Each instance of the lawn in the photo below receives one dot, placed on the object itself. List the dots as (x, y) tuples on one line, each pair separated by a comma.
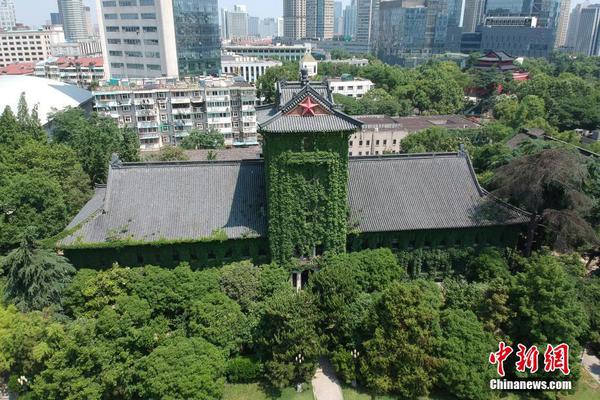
[(252, 391)]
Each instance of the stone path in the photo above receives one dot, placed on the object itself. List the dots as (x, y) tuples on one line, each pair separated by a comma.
[(325, 384), (592, 364)]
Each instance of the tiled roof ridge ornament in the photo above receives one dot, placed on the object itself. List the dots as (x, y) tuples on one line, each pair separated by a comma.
[(461, 150), (304, 76), (115, 161)]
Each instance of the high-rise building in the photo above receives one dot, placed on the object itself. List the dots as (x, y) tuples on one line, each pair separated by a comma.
[(236, 23), (455, 9), (196, 36), (73, 17), (267, 27), (319, 19), (8, 18), (588, 32), (573, 28), (367, 22), (338, 19), (294, 19), (518, 36), (87, 15), (404, 26), (280, 27), (28, 45), (473, 14), (253, 24), (55, 19), (138, 41), (350, 20)]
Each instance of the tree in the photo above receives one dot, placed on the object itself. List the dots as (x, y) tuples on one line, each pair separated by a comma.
[(530, 109), (184, 368), (266, 84), (437, 91), (403, 329), (35, 277), (287, 329), (219, 320), (505, 109), (211, 139), (463, 350), (549, 185), (168, 153), (241, 282), (431, 140)]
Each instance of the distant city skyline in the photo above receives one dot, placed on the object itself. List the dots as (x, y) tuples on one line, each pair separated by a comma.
[(37, 12)]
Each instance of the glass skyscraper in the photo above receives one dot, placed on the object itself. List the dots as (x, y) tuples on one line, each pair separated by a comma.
[(197, 36)]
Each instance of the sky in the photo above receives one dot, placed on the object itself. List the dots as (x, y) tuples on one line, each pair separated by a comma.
[(37, 12)]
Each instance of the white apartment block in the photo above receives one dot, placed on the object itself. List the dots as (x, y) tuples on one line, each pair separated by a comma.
[(250, 68), (28, 45), (138, 38), (76, 71), (284, 52), (236, 23), (164, 111), (7, 15), (352, 87)]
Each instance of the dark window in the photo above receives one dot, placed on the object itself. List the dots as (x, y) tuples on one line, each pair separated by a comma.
[(140, 259), (368, 142), (229, 252), (366, 244), (427, 243), (211, 255), (395, 244), (262, 251), (193, 256), (176, 256), (413, 243), (377, 142)]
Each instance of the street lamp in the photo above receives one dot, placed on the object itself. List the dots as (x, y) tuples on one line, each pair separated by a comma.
[(299, 360), (355, 353)]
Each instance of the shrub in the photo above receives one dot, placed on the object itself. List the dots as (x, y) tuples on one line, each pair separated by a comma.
[(243, 370)]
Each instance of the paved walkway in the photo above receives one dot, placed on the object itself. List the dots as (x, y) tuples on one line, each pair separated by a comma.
[(325, 384), (592, 364)]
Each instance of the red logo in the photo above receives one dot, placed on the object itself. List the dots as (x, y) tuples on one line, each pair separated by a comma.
[(528, 359), (555, 358), (500, 356)]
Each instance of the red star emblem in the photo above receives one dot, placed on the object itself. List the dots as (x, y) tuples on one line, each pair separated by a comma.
[(308, 107)]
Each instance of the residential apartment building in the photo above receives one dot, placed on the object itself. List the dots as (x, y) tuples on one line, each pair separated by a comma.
[(382, 135), (267, 27), (350, 86), (28, 45), (294, 19), (164, 111), (563, 24), (249, 68), (235, 23), (319, 19), (75, 71), (253, 26), (8, 19), (74, 20), (283, 52), (84, 48)]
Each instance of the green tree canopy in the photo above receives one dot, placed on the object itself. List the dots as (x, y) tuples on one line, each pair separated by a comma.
[(196, 139)]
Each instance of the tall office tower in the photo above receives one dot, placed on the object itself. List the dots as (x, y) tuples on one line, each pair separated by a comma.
[(473, 15), (574, 25), (253, 23), (563, 24), (236, 23), (280, 26), (294, 19), (319, 19), (267, 27), (367, 22), (197, 37), (436, 31), (338, 19), (402, 29), (455, 9), (87, 15), (350, 20), (546, 11), (55, 19), (139, 41), (588, 33), (73, 16), (8, 18)]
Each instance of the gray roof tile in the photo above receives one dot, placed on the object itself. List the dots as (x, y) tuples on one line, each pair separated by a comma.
[(191, 200)]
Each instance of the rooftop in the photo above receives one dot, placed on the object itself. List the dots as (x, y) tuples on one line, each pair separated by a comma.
[(391, 193)]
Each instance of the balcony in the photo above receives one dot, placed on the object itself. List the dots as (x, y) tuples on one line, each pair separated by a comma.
[(180, 111), (147, 124), (138, 102), (180, 100), (217, 98), (248, 108), (145, 113)]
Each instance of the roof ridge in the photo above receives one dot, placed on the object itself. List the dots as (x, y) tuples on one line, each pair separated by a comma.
[(403, 156), (188, 163)]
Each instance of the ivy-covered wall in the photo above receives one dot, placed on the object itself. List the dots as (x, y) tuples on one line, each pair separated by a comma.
[(307, 187), (198, 255)]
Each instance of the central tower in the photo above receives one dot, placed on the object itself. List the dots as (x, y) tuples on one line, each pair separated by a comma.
[(306, 166)]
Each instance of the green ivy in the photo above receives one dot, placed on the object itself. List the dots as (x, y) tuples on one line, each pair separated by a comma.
[(307, 193)]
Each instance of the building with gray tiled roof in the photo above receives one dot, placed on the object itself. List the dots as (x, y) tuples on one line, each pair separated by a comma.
[(211, 212)]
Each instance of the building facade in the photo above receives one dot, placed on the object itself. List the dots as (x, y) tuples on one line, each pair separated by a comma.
[(8, 19), (249, 68), (138, 41), (350, 86), (163, 112), (563, 24), (588, 32), (283, 52), (319, 19), (75, 71), (28, 45), (338, 19), (268, 27), (573, 28), (294, 19), (74, 20), (473, 14), (236, 23), (367, 22), (350, 20), (198, 46)]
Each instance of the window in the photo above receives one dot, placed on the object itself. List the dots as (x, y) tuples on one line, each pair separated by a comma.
[(109, 3), (113, 41), (368, 142), (394, 142), (153, 67), (127, 118), (377, 143), (126, 108), (151, 42), (132, 41), (163, 118), (131, 29), (111, 16), (162, 106), (146, 2), (135, 66), (133, 53), (349, 154), (152, 54), (150, 29), (148, 16), (115, 53), (350, 143), (384, 142), (112, 29), (360, 142), (127, 3), (129, 16)]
